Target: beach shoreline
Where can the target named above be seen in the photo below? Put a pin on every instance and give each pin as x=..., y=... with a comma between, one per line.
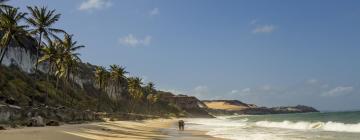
x=165, y=129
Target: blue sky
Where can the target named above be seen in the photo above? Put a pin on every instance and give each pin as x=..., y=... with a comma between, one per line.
x=265, y=52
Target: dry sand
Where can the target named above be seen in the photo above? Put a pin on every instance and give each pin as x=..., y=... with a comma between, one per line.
x=118, y=130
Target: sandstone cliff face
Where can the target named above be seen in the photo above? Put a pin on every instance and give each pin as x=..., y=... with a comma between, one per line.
x=230, y=107
x=186, y=102
x=293, y=109
x=226, y=104
x=26, y=59
x=193, y=106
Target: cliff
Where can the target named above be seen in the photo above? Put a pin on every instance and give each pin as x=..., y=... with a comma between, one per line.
x=226, y=104
x=230, y=107
x=23, y=57
x=293, y=109
x=192, y=106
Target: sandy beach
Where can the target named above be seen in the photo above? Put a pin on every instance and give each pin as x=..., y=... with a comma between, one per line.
x=119, y=130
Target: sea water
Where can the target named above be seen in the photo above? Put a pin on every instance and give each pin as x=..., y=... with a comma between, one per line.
x=302, y=126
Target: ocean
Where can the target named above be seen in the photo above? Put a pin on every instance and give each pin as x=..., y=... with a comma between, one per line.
x=301, y=126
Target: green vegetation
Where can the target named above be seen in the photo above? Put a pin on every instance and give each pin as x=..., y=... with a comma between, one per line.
x=21, y=87
x=11, y=30
x=66, y=81
x=41, y=20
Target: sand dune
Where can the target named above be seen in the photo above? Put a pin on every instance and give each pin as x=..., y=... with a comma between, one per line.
x=224, y=106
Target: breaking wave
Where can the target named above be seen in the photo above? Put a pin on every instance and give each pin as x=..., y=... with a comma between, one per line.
x=330, y=126
x=322, y=126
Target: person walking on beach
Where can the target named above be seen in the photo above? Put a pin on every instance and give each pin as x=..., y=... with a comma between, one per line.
x=181, y=125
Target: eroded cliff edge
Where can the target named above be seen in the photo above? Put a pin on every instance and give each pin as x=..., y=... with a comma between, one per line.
x=231, y=107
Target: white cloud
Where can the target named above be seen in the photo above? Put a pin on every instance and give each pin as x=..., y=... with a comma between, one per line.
x=133, y=41
x=154, y=12
x=264, y=29
x=338, y=91
x=94, y=5
x=234, y=91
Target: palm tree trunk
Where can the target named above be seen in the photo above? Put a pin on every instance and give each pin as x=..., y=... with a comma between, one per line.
x=133, y=107
x=4, y=50
x=99, y=96
x=3, y=54
x=73, y=80
x=47, y=79
x=48, y=72
x=1, y=51
x=65, y=88
x=99, y=102
x=67, y=81
x=150, y=109
x=57, y=82
x=37, y=52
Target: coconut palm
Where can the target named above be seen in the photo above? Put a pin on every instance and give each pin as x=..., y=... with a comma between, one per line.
x=42, y=19
x=101, y=78
x=68, y=65
x=150, y=88
x=151, y=96
x=50, y=54
x=152, y=99
x=117, y=74
x=68, y=57
x=12, y=31
x=117, y=80
x=3, y=5
x=135, y=91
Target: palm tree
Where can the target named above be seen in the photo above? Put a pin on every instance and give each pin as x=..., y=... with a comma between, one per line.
x=68, y=57
x=3, y=5
x=152, y=99
x=12, y=31
x=118, y=80
x=150, y=88
x=151, y=95
x=117, y=74
x=51, y=54
x=42, y=21
x=135, y=91
x=101, y=78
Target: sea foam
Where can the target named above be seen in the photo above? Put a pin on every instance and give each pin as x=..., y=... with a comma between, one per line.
x=302, y=125
x=245, y=129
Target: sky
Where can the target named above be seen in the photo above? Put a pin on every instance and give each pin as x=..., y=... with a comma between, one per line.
x=270, y=53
